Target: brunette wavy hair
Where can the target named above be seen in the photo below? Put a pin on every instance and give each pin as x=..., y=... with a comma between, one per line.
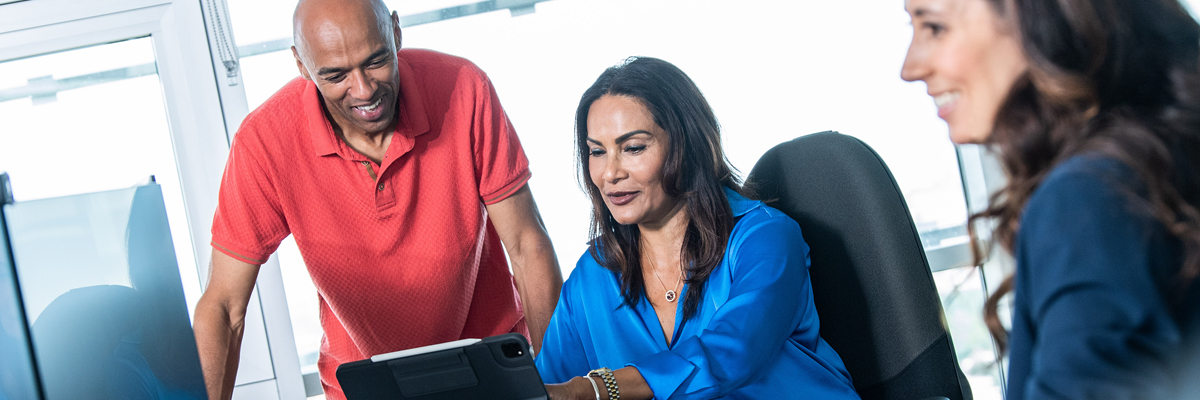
x=1115, y=77
x=695, y=171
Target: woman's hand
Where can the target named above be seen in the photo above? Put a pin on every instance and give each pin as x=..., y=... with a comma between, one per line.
x=577, y=388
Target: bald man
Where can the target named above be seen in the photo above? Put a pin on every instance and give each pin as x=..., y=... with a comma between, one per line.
x=403, y=183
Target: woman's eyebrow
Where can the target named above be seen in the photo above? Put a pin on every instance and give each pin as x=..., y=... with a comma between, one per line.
x=631, y=134
x=924, y=11
x=622, y=138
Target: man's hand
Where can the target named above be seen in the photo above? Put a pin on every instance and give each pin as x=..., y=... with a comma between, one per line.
x=220, y=321
x=534, y=265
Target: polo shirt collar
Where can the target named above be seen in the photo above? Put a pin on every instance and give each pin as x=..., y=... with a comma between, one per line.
x=411, y=119
x=739, y=204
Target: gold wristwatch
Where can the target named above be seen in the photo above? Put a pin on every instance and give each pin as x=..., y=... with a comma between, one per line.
x=610, y=382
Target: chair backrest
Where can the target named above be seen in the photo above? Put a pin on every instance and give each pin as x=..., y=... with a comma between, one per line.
x=871, y=282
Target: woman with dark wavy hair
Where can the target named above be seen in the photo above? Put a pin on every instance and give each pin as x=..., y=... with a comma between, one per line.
x=689, y=290
x=1093, y=108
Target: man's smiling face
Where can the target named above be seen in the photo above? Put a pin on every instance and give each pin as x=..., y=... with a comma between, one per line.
x=348, y=48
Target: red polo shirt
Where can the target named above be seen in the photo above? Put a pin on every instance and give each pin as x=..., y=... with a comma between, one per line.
x=402, y=253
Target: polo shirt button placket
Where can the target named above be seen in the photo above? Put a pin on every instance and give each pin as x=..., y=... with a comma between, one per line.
x=384, y=196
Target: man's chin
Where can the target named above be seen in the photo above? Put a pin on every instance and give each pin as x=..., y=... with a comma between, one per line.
x=371, y=126
x=374, y=127
x=378, y=124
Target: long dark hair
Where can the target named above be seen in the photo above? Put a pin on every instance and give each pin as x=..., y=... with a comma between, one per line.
x=1119, y=78
x=695, y=171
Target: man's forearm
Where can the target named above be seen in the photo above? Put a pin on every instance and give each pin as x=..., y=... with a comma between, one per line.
x=219, y=341
x=539, y=282
x=534, y=266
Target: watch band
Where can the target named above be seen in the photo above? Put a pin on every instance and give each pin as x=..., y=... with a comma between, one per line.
x=610, y=382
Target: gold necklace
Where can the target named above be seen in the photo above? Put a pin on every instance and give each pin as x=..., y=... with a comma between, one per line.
x=671, y=294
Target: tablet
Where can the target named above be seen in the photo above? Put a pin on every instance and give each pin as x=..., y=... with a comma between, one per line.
x=498, y=367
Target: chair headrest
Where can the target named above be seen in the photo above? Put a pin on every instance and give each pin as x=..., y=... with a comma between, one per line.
x=873, y=289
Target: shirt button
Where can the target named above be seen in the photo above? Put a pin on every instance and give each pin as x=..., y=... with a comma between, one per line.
x=380, y=187
x=364, y=163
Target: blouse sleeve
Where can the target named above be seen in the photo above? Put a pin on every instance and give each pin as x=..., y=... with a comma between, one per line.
x=1100, y=325
x=562, y=356
x=765, y=306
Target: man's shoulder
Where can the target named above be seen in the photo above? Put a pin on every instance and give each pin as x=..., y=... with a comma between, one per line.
x=429, y=65
x=271, y=130
x=283, y=111
x=285, y=105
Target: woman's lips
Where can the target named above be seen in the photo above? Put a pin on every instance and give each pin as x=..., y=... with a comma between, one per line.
x=621, y=198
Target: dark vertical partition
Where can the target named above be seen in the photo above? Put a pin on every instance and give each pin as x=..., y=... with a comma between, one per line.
x=18, y=379
x=103, y=297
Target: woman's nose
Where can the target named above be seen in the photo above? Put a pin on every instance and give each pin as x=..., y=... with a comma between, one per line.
x=915, y=67
x=612, y=170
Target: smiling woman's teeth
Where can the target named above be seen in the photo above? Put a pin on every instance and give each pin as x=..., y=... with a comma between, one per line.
x=372, y=106
x=945, y=99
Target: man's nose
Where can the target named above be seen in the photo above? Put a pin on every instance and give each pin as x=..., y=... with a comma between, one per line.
x=361, y=86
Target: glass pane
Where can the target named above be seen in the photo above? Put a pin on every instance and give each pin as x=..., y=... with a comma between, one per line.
x=302, y=304
x=771, y=70
x=101, y=287
x=87, y=120
x=962, y=296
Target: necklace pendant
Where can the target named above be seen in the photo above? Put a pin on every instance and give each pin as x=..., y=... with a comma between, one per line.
x=671, y=296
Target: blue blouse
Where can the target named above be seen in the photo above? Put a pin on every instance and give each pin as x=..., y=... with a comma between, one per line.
x=754, y=336
x=1092, y=310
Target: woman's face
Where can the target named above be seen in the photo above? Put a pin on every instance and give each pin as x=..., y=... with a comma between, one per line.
x=626, y=151
x=968, y=58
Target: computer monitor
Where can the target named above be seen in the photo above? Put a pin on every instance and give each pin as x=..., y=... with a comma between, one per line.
x=102, y=295
x=18, y=374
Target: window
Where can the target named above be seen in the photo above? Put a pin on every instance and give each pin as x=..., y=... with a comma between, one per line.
x=65, y=133
x=101, y=95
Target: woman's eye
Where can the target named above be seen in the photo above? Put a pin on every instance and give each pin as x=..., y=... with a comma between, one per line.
x=935, y=29
x=635, y=149
x=596, y=152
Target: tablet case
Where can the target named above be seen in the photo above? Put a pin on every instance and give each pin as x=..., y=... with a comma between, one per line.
x=498, y=367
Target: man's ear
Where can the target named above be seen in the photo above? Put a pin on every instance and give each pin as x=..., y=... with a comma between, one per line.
x=300, y=64
x=396, y=28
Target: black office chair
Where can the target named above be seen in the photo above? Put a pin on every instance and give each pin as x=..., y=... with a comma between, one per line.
x=871, y=282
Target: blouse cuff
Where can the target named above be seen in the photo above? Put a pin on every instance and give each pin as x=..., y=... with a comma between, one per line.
x=664, y=372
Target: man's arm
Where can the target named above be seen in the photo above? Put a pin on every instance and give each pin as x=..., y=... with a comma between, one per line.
x=534, y=265
x=220, y=321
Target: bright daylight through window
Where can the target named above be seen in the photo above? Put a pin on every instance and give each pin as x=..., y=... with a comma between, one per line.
x=106, y=104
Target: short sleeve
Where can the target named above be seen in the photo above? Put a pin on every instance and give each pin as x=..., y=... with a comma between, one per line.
x=248, y=224
x=1100, y=326
x=501, y=167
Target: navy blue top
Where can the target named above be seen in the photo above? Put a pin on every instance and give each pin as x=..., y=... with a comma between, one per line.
x=1092, y=315
x=754, y=336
